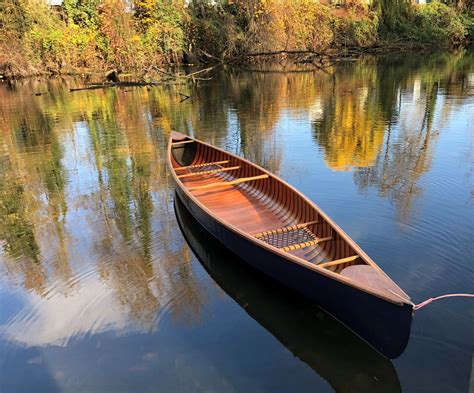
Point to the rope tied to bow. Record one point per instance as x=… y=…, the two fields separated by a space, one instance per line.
x=432 y=299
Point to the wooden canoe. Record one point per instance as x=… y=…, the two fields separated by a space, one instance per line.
x=277 y=230
x=332 y=350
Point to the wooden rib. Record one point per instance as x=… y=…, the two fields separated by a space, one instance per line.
x=297 y=246
x=324 y=239
x=201 y=165
x=231 y=168
x=180 y=143
x=285 y=229
x=228 y=183
x=339 y=261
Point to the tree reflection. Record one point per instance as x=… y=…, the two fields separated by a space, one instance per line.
x=129 y=230
x=84 y=185
x=15 y=228
x=381 y=118
x=351 y=127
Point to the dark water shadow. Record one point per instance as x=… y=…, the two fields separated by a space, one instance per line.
x=339 y=356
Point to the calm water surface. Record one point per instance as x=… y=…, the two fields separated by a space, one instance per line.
x=101 y=292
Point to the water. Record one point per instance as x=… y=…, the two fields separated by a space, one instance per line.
x=100 y=291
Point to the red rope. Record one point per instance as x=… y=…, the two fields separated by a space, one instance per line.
x=432 y=299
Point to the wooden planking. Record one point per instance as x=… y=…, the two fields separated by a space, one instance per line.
x=370 y=277
x=248 y=216
x=236 y=205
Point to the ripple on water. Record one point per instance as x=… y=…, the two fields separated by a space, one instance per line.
x=57 y=318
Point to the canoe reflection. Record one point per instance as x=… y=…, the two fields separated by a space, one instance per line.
x=327 y=346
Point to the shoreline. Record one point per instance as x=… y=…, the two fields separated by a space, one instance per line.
x=301 y=59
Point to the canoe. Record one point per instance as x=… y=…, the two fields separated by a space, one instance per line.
x=277 y=230
x=332 y=350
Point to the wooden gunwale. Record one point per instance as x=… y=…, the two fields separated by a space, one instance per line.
x=288 y=256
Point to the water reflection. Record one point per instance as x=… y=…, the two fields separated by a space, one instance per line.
x=386 y=128
x=329 y=348
x=86 y=218
x=84 y=208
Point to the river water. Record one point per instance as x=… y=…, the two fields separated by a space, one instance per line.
x=101 y=291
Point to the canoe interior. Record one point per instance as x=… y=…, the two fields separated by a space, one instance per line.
x=271 y=211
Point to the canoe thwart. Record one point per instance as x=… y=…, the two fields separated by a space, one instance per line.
x=285 y=229
x=339 y=261
x=232 y=168
x=228 y=183
x=178 y=144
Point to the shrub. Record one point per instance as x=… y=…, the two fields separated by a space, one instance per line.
x=468 y=21
x=438 y=24
x=119 y=47
x=14 y=20
x=215 y=29
x=307 y=25
x=162 y=26
x=83 y=13
x=130 y=34
x=46 y=38
x=355 y=30
x=296 y=25
x=14 y=23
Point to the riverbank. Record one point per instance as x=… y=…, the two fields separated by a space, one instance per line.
x=92 y=36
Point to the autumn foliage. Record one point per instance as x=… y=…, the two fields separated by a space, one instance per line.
x=133 y=35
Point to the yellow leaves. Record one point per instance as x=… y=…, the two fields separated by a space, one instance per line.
x=290 y=25
x=355 y=131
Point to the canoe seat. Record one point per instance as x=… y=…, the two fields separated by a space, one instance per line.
x=293 y=237
x=287 y=238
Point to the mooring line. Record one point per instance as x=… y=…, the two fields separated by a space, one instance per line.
x=432 y=299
